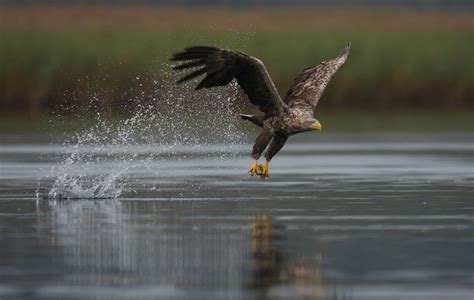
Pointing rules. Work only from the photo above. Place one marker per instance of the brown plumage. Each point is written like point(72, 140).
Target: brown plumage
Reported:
point(281, 117)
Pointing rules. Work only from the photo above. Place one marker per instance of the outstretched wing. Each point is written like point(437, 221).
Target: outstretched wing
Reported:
point(222, 66)
point(307, 87)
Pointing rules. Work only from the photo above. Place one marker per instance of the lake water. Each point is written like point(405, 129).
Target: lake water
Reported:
point(343, 216)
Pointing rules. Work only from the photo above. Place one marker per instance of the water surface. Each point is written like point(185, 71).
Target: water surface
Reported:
point(343, 216)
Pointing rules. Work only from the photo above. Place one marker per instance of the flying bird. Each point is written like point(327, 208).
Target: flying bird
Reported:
point(281, 118)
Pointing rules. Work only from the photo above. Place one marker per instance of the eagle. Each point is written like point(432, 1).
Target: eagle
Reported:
point(280, 118)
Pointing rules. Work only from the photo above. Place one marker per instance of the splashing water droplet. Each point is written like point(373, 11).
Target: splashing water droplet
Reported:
point(98, 162)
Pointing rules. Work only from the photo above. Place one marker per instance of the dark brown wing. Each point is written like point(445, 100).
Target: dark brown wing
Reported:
point(222, 66)
point(307, 87)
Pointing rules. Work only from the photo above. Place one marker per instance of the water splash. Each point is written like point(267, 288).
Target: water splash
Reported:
point(94, 161)
point(100, 187)
point(98, 162)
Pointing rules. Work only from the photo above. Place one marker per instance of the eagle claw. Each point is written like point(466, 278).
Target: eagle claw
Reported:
point(254, 168)
point(263, 171)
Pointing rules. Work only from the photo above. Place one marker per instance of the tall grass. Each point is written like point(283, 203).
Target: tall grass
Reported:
point(399, 59)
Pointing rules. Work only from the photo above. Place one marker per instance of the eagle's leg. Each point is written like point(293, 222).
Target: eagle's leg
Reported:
point(260, 144)
point(277, 143)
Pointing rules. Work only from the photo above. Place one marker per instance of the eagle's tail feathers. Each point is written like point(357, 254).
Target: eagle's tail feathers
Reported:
point(254, 119)
point(246, 117)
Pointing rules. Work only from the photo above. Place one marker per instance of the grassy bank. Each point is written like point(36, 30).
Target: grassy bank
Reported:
point(333, 120)
point(400, 59)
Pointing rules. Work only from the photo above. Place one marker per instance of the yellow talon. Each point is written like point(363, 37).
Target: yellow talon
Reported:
point(264, 170)
point(254, 168)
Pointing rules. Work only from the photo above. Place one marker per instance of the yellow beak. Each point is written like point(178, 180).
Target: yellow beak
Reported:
point(316, 126)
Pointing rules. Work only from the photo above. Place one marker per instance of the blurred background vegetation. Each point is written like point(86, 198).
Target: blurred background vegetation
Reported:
point(403, 58)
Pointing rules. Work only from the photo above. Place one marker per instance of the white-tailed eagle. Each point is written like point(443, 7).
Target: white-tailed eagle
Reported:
point(281, 118)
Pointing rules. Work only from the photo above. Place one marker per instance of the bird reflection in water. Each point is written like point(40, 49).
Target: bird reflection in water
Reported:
point(272, 266)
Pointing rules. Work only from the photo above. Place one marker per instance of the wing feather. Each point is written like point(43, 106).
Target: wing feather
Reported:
point(193, 74)
point(307, 87)
point(191, 64)
point(222, 66)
